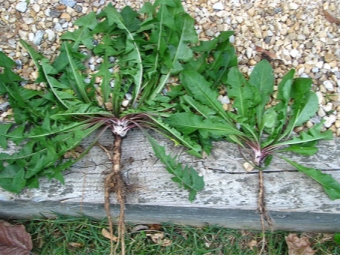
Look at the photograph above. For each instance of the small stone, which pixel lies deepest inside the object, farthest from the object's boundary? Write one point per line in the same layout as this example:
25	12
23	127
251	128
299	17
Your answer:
125	103
257	33
301	37
328	85
53	13
223	99
248	167
66	16
218	6
320	96
251	12
78	8
36	7
321	112
294	53
58	27
337	123
328	107
21	6
38	37
70	3
50	34
28	20
249	52
329	57
293	6
323	34
329	120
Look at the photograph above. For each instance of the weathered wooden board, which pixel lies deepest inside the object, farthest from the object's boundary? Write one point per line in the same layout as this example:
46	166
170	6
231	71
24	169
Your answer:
295	201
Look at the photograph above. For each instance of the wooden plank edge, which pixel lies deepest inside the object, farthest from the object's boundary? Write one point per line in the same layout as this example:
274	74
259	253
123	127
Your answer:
193	216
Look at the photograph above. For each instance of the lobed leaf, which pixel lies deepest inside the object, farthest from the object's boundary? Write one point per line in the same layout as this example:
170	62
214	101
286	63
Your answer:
330	185
185	176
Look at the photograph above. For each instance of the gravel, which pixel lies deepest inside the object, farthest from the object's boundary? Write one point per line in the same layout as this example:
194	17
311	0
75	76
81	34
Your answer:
299	34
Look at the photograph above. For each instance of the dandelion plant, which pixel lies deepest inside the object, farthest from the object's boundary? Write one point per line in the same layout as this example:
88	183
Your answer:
261	123
112	74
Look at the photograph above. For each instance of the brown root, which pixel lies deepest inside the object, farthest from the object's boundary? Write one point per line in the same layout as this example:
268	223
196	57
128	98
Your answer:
114	183
263	211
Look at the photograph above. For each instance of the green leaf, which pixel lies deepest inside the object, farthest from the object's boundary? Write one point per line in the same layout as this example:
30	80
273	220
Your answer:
337	238
310	135
173	134
262	77
302	150
75	74
330	185
199	88
186	176
241	92
3	131
188	122
83	34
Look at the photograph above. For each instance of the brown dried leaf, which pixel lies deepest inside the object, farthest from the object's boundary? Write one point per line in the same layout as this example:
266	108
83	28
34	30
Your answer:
14	239
265	52
252	244
107	234
298	246
76	245
330	18
158	238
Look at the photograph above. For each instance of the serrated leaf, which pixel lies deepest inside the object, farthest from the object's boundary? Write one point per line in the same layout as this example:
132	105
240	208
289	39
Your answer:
186	176
200	89
310	135
330	185
241	92
302	150
262	77
177	137
188	122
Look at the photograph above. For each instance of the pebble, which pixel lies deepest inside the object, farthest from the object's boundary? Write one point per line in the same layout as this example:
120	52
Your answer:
329	120
21	6
50	34
38	37
294	53
328	85
218	6
70	3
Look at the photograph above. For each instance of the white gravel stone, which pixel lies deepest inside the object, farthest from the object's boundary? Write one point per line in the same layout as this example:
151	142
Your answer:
21	6
328	85
294	53
293	6
223	99
50	34
218	6
329	120
38	37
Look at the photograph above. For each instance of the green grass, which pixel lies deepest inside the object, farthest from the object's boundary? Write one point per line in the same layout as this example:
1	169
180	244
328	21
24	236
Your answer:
82	236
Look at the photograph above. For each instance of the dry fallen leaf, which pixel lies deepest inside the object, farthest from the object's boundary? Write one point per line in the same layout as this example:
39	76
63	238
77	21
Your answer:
298	246
14	239
107	234
158	238
252	244
76	245
266	53
330	18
